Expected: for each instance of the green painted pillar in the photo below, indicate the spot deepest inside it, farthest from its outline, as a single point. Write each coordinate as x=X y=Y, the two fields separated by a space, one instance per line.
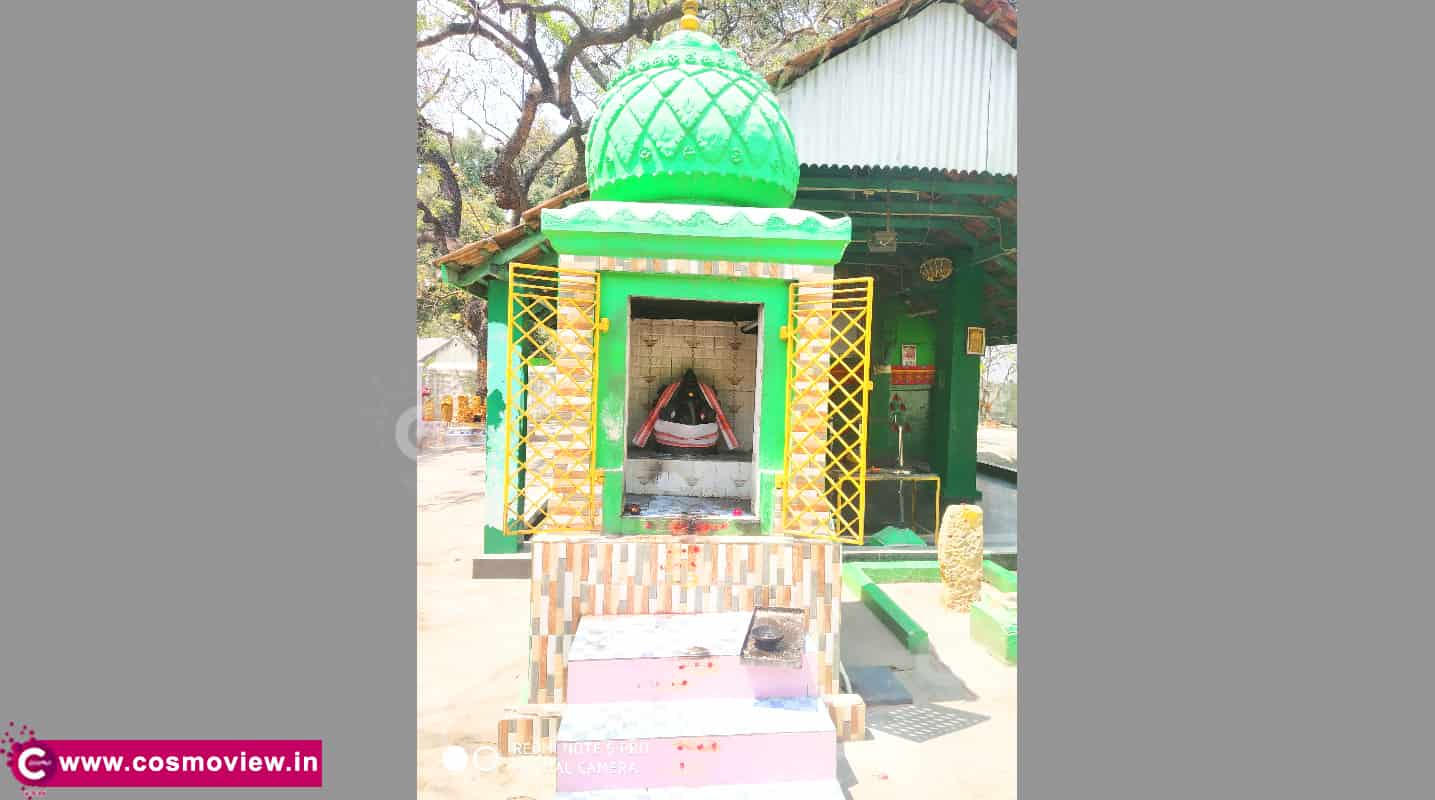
x=493 y=539
x=611 y=448
x=957 y=390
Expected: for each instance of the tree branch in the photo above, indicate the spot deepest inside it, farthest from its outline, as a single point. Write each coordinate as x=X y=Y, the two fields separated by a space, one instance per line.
x=446 y=224
x=448 y=32
x=588 y=38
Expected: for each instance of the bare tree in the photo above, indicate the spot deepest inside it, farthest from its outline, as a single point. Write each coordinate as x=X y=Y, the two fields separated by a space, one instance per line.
x=583 y=40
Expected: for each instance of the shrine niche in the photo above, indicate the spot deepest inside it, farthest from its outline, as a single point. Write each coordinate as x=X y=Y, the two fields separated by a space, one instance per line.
x=692 y=381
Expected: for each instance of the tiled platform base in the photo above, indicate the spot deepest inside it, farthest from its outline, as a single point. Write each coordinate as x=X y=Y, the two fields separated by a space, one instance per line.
x=849 y=716
x=676 y=657
x=663 y=701
x=785 y=790
x=584 y=577
x=695 y=743
x=529 y=734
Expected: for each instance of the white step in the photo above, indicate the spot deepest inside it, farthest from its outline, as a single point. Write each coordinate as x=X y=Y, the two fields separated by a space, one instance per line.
x=596 y=722
x=780 y=790
x=719 y=633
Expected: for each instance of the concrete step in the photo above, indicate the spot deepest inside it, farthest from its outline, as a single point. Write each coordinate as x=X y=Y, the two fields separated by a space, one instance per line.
x=780 y=790
x=694 y=743
x=634 y=657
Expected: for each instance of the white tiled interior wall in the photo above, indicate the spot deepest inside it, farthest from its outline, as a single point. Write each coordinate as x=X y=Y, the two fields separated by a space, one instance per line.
x=661 y=349
x=688 y=478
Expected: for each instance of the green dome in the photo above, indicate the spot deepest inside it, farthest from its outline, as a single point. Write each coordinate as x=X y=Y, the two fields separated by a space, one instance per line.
x=688 y=122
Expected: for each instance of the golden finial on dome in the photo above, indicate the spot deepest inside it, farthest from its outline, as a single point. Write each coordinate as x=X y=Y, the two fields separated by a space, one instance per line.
x=689 y=22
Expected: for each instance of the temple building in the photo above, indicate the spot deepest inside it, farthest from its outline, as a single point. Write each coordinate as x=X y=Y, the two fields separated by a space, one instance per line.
x=772 y=293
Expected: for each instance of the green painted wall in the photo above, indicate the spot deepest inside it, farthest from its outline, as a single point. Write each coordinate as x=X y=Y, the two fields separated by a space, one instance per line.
x=892 y=329
x=921 y=331
x=493 y=539
x=958 y=385
x=617 y=289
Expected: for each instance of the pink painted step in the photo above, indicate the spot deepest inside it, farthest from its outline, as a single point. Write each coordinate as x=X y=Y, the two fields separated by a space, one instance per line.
x=783 y=790
x=693 y=743
x=675 y=657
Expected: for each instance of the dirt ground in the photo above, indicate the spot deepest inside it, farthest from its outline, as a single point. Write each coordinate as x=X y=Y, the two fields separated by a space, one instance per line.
x=958 y=738
x=472 y=640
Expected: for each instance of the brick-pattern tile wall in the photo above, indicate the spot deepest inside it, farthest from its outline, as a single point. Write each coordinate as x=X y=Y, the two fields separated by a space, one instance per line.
x=574 y=576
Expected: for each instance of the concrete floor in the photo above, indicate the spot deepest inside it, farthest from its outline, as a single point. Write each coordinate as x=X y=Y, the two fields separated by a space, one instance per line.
x=997 y=446
x=998 y=513
x=957 y=739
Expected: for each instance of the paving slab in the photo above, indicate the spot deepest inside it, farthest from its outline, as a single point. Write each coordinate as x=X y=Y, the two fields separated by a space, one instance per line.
x=878 y=686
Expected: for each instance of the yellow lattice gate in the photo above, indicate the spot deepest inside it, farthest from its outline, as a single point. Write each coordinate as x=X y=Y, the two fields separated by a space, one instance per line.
x=829 y=343
x=549 y=481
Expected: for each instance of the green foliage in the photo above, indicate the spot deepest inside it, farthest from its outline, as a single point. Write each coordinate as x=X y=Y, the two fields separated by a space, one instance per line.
x=440 y=306
x=467 y=77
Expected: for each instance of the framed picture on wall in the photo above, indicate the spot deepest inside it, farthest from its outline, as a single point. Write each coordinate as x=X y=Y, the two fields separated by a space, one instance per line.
x=976 y=341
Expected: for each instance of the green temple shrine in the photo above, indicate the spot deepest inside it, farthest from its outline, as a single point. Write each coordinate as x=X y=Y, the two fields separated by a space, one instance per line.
x=770 y=299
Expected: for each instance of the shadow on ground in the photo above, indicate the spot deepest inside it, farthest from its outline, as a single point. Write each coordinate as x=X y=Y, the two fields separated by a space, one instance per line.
x=866 y=642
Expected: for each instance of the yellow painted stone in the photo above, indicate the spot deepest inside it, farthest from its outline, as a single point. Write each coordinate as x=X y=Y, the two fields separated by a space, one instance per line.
x=959 y=555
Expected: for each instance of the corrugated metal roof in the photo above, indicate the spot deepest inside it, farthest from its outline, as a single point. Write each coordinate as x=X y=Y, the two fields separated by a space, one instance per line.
x=934 y=91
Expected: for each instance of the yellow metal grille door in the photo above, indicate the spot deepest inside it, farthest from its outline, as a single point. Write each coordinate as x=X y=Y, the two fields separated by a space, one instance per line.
x=829 y=348
x=549 y=480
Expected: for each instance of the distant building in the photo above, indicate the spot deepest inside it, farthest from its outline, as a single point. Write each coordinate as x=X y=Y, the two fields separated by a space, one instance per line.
x=447 y=365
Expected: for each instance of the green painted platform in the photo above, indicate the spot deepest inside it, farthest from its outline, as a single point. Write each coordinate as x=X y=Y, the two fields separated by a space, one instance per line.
x=908 y=632
x=1002 y=578
x=994 y=628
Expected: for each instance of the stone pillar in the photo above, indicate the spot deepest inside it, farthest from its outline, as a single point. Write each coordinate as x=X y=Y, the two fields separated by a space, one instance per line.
x=959 y=555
